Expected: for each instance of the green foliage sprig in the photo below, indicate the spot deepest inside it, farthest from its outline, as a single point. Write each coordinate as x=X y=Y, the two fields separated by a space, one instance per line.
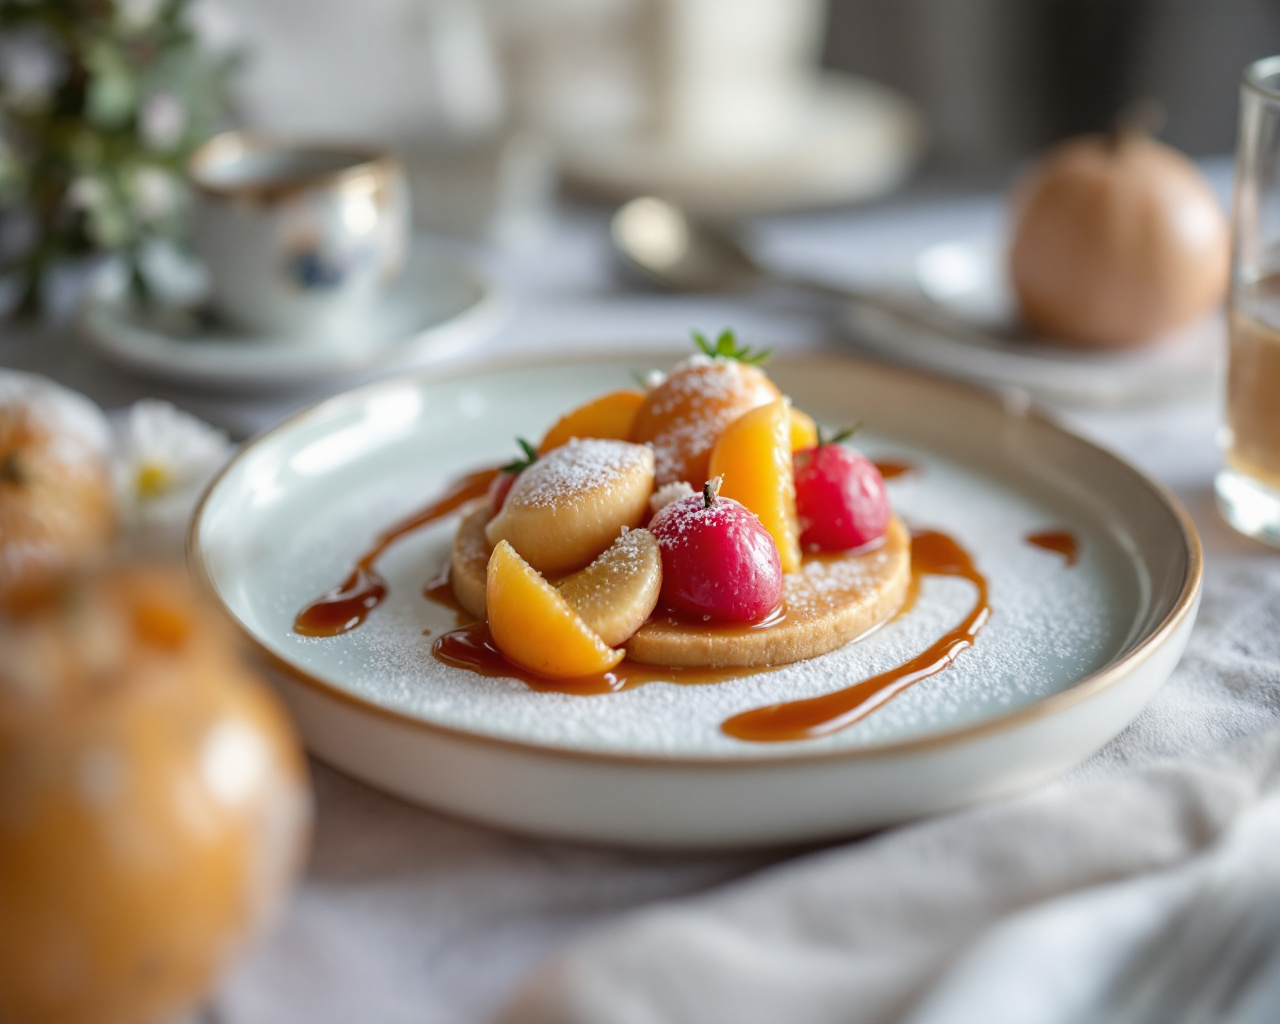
x=101 y=104
x=726 y=347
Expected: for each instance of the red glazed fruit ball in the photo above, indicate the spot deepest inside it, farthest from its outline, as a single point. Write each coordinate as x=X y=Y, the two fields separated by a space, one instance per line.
x=501 y=485
x=840 y=498
x=499 y=488
x=718 y=561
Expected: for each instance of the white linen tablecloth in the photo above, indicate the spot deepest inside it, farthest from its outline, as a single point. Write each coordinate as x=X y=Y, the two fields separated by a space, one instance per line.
x=407 y=916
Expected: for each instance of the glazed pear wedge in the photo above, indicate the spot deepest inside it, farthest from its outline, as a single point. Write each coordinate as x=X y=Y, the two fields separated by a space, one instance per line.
x=618 y=592
x=567 y=507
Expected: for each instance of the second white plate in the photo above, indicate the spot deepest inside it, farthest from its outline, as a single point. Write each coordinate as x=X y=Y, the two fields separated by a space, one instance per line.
x=967 y=278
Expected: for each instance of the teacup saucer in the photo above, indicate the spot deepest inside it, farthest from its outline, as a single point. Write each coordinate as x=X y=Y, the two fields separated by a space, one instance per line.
x=438 y=306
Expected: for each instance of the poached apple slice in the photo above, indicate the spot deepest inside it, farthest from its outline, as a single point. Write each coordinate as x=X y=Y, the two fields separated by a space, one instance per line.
x=618 y=592
x=567 y=507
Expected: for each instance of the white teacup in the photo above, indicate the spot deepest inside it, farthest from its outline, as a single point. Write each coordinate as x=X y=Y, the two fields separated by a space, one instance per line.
x=300 y=240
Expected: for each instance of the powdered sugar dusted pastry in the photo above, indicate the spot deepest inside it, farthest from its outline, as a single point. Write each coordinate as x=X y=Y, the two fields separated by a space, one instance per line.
x=57 y=506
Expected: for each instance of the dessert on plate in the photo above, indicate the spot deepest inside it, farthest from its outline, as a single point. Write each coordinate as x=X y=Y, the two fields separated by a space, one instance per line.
x=698 y=523
x=695 y=530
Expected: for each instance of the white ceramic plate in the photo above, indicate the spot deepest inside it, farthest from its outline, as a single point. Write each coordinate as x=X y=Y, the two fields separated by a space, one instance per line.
x=967 y=278
x=1069 y=657
x=440 y=305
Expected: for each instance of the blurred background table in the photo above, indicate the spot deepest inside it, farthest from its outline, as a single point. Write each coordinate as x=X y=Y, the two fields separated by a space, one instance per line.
x=409 y=916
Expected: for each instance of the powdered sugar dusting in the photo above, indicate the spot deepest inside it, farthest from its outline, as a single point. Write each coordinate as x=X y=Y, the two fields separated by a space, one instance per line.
x=827 y=583
x=695 y=408
x=668 y=493
x=632 y=553
x=74 y=430
x=576 y=468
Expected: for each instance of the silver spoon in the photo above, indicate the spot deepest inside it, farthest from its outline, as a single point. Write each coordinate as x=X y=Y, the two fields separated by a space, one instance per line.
x=681 y=254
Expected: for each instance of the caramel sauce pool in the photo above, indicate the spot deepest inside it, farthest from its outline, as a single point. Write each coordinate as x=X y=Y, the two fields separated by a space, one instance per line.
x=472 y=648
x=1061 y=541
x=889 y=469
x=347 y=605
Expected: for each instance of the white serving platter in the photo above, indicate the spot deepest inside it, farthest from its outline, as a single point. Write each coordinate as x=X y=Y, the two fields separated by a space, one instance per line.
x=967 y=278
x=1069 y=657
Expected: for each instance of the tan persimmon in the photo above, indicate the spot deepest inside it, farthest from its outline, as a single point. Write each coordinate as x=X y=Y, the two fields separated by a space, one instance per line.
x=1118 y=240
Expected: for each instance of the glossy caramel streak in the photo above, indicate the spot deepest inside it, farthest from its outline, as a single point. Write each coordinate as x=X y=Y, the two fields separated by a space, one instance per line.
x=932 y=554
x=890 y=469
x=472 y=648
x=1060 y=541
x=439 y=591
x=346 y=606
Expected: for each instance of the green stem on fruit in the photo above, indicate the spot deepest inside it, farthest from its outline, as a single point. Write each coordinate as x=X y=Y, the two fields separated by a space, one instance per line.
x=521 y=464
x=840 y=435
x=1142 y=118
x=726 y=347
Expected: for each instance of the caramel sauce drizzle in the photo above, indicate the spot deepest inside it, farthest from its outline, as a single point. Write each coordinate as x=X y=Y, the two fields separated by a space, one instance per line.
x=1061 y=541
x=347 y=605
x=889 y=469
x=439 y=591
x=470 y=647
x=932 y=554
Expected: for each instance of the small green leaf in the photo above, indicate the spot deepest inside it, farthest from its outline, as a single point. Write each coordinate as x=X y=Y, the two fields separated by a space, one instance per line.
x=726 y=347
x=840 y=435
x=528 y=459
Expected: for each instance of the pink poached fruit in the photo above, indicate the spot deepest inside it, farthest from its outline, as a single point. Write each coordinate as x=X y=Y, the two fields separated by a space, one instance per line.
x=840 y=499
x=718 y=561
x=500 y=488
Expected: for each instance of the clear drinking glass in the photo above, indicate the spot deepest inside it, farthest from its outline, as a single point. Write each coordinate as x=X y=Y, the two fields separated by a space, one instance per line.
x=1248 y=487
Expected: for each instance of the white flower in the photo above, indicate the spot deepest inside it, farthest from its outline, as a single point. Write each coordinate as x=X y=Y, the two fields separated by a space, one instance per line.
x=217 y=30
x=86 y=193
x=136 y=15
x=30 y=70
x=155 y=193
x=164 y=459
x=163 y=121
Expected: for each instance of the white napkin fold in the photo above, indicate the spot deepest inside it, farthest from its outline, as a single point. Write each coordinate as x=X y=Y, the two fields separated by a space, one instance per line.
x=1021 y=911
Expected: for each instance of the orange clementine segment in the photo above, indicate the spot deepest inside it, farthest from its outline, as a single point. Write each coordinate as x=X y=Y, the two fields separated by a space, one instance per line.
x=685 y=414
x=753 y=456
x=609 y=416
x=534 y=626
x=804 y=431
